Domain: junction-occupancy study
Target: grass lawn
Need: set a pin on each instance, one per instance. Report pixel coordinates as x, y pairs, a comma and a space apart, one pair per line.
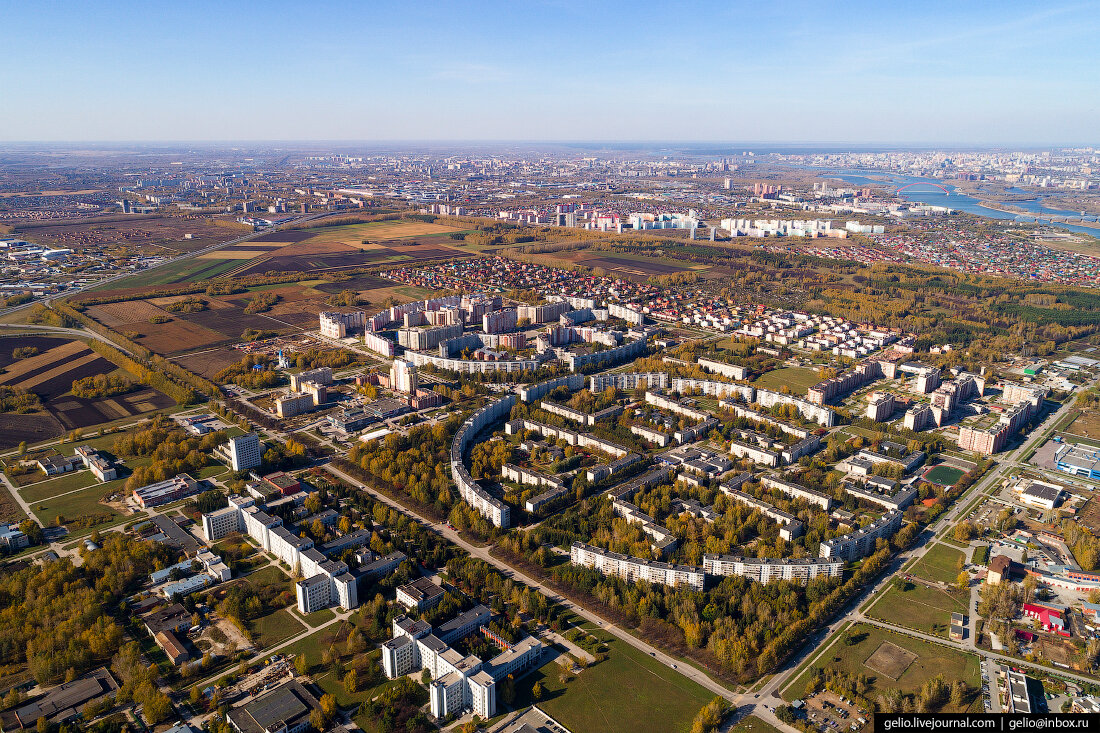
317, 618
753, 724
932, 659
275, 627
60, 485
267, 576
210, 471
627, 693
799, 379
939, 563
920, 607
314, 645
71, 506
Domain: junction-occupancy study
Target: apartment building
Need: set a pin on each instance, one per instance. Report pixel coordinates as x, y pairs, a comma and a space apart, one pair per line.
321, 375
627, 382
242, 452
768, 570
633, 568
338, 325
733, 371
798, 492
790, 528
458, 682
880, 406
403, 376
861, 542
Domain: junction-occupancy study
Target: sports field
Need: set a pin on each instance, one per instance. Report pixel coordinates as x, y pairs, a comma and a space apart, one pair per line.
930, 659
943, 475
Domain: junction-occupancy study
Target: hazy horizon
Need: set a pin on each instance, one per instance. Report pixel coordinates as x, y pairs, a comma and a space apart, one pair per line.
987, 74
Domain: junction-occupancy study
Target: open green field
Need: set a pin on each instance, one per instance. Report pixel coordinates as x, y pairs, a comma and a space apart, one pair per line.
799, 379
316, 618
314, 645
920, 607
267, 576
627, 693
932, 659
60, 485
939, 563
275, 627
76, 504
944, 475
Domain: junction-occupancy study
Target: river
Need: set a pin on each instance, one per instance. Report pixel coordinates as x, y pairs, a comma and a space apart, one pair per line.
933, 196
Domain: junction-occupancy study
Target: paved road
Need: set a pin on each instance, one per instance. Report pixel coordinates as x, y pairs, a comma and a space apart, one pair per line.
188, 255
77, 332
483, 553
854, 610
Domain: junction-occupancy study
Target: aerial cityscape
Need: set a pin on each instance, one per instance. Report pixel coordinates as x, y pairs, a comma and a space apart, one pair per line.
523, 368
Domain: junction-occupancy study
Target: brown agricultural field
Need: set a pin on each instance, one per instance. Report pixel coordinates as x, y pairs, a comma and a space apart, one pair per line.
164, 232
50, 375
208, 362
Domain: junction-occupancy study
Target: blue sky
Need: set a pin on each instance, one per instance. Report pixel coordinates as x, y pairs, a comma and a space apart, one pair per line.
919, 72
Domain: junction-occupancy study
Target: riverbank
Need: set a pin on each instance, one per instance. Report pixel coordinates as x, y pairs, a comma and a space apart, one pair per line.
1014, 211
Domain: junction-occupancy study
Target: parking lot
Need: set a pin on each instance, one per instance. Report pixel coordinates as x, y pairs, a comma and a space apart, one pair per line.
828, 711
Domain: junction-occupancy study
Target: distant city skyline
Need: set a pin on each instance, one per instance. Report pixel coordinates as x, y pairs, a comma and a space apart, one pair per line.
955, 74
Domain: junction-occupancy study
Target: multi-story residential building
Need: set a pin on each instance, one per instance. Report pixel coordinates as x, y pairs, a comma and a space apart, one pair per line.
293, 403
242, 452
733, 371
378, 344
756, 454
470, 490
626, 382
543, 313
790, 528
499, 321
918, 417
798, 492
337, 325
767, 570
634, 568
880, 406
861, 542
321, 375
403, 376
530, 392
425, 339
